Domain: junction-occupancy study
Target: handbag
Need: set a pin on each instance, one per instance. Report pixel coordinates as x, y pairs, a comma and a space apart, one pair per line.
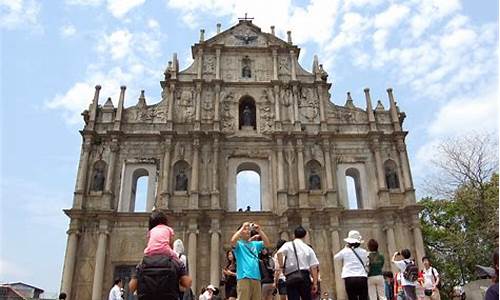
438, 286
428, 292
295, 276
364, 267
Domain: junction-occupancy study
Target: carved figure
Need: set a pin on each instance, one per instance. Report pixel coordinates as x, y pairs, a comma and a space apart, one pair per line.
98, 180
246, 72
391, 178
314, 181
246, 38
181, 181
247, 116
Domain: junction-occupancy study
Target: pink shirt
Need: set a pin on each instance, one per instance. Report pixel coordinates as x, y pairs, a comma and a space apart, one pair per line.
159, 241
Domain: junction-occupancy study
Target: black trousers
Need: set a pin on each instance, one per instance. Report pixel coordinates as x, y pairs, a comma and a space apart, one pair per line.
356, 288
301, 290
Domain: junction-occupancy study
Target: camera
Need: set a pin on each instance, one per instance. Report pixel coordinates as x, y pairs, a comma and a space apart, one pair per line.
275, 291
252, 227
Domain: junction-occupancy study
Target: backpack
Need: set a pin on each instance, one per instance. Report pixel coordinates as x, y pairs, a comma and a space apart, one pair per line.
411, 271
157, 278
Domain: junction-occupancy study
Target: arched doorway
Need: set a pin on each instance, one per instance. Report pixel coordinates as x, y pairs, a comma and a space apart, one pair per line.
248, 188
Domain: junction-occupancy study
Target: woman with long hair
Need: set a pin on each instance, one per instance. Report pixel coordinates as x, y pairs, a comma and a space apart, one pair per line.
229, 273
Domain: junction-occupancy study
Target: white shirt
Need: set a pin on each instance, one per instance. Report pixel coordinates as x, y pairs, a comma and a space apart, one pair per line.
401, 264
115, 293
307, 257
352, 267
429, 277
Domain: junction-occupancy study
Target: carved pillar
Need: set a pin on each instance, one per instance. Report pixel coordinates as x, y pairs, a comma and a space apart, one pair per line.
194, 175
379, 168
295, 107
215, 249
330, 190
100, 259
93, 109
275, 64
119, 109
281, 183
302, 180
200, 64
322, 117
165, 193
81, 181
171, 102
198, 105
70, 257
217, 65
391, 242
108, 189
337, 265
293, 61
217, 102
215, 176
419, 242
405, 166
290, 158
192, 251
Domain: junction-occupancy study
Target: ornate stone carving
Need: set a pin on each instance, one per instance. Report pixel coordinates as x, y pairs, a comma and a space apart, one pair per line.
266, 118
308, 104
227, 115
206, 158
207, 105
286, 100
209, 64
284, 65
185, 107
246, 67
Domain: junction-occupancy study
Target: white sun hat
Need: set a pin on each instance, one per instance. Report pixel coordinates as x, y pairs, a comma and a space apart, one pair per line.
354, 237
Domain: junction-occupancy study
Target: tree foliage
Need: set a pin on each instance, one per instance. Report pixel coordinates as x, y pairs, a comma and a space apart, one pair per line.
460, 223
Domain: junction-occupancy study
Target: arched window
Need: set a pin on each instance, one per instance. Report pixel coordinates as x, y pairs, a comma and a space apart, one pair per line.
139, 194
313, 175
182, 174
247, 113
391, 174
248, 188
353, 183
98, 176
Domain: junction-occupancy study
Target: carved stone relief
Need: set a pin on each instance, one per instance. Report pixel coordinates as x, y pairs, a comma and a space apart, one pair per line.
286, 98
284, 65
266, 114
209, 64
308, 104
207, 105
185, 107
227, 115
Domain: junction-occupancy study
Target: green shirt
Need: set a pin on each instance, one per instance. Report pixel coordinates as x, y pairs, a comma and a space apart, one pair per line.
376, 263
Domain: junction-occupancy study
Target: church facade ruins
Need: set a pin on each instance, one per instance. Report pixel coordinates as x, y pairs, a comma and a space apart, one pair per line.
245, 103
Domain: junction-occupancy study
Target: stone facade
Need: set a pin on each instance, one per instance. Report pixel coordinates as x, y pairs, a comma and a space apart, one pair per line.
244, 104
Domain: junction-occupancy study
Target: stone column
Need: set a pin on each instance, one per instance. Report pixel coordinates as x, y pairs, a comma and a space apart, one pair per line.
81, 180
200, 63
171, 102
295, 107
192, 251
198, 105
100, 259
217, 102
419, 243
277, 108
215, 176
330, 190
292, 60
215, 249
194, 175
275, 64
322, 117
303, 201
405, 166
333, 158
165, 182
108, 189
281, 182
337, 265
217, 65
391, 242
70, 258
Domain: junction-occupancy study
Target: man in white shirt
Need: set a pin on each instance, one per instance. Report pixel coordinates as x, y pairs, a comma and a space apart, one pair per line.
409, 287
116, 290
288, 255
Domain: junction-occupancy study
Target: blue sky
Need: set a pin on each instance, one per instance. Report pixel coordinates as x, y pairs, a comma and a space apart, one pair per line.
440, 57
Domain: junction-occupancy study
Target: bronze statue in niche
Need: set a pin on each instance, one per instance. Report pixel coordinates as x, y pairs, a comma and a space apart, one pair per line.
246, 71
314, 180
181, 181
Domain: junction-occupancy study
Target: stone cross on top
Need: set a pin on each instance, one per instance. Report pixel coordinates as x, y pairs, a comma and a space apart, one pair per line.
245, 18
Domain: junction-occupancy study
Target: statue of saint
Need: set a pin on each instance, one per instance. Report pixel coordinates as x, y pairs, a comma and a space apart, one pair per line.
98, 180
246, 72
181, 181
247, 116
314, 181
391, 178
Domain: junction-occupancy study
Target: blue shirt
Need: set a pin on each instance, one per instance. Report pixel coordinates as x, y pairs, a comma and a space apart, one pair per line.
247, 262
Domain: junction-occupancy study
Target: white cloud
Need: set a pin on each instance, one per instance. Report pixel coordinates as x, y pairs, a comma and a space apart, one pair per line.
68, 30
15, 14
119, 8
391, 17
118, 44
84, 2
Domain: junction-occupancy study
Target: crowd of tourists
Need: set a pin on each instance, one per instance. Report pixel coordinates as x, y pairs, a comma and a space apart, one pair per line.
255, 269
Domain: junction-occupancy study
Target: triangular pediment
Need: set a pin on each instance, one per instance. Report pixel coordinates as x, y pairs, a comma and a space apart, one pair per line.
247, 35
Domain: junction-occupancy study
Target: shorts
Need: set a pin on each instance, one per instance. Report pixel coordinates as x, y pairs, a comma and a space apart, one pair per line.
281, 287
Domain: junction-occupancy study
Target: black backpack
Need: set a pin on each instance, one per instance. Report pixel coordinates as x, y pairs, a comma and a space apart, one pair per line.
157, 278
411, 271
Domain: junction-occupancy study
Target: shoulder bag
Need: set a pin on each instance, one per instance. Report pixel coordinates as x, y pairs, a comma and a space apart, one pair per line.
295, 276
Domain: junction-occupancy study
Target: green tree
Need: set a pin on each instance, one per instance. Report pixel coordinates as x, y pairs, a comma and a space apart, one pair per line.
460, 222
